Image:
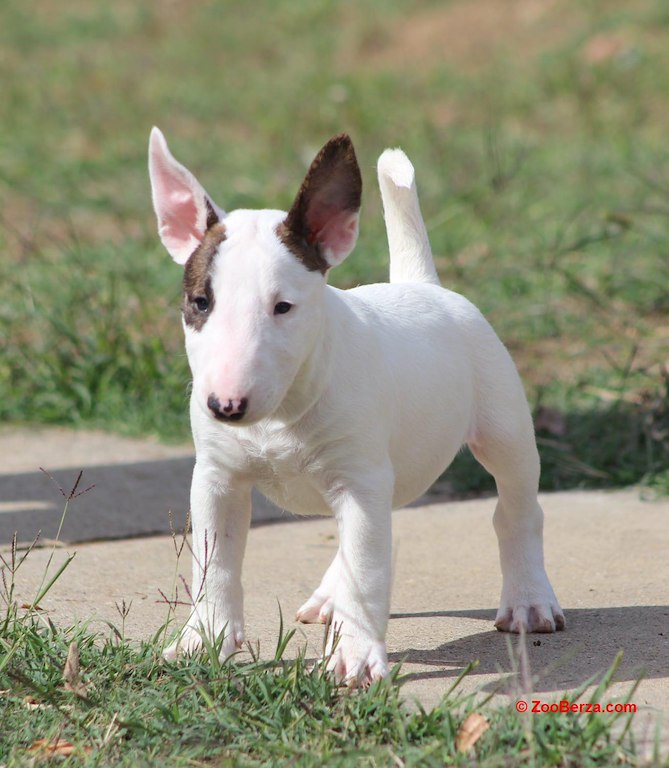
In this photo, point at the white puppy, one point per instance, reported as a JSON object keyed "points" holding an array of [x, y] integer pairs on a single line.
{"points": [[343, 402]]}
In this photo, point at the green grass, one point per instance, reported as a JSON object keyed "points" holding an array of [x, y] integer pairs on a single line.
{"points": [[541, 158], [140, 711], [121, 704]]}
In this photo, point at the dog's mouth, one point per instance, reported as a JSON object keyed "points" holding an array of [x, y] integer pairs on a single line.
{"points": [[231, 417]]}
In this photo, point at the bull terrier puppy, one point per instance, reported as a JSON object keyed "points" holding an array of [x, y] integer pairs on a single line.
{"points": [[349, 403]]}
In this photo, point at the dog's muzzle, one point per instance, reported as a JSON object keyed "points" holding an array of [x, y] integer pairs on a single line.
{"points": [[233, 411]]}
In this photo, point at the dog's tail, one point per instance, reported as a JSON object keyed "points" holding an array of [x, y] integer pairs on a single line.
{"points": [[410, 252]]}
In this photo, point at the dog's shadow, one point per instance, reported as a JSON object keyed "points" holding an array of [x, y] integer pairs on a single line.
{"points": [[559, 661]]}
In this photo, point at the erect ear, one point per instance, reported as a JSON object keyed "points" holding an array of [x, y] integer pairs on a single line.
{"points": [[184, 210], [322, 226]]}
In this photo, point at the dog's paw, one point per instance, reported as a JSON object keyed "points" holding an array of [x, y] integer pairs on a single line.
{"points": [[536, 617], [191, 640], [357, 660], [528, 603], [317, 609]]}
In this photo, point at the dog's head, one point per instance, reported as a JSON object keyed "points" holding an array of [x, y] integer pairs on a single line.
{"points": [[254, 280]]}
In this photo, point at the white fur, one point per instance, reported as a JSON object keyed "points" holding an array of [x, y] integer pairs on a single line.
{"points": [[358, 401]]}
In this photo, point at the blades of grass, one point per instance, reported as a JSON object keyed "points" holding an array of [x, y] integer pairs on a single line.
{"points": [[468, 668], [283, 639], [629, 715], [606, 679], [44, 588]]}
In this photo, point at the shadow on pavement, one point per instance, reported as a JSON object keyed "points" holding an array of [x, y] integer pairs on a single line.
{"points": [[559, 661], [134, 499], [112, 501]]}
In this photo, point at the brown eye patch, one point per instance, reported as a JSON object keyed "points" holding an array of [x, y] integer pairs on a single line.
{"points": [[197, 278]]}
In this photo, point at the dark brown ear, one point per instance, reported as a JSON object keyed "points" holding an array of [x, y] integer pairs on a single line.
{"points": [[322, 226]]}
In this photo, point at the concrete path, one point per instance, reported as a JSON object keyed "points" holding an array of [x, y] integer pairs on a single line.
{"points": [[606, 553]]}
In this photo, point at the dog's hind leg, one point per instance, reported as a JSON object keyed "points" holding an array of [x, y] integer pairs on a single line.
{"points": [[410, 252], [504, 444]]}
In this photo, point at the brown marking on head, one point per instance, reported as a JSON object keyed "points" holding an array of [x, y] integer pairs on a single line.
{"points": [[332, 184], [309, 253], [197, 275], [212, 216]]}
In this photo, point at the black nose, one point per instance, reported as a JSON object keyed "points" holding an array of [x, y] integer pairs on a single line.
{"points": [[233, 411]]}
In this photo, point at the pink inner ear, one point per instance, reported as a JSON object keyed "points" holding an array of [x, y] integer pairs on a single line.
{"points": [[336, 231], [179, 216], [179, 203]]}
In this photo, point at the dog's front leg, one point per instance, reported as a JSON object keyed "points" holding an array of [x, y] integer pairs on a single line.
{"points": [[356, 649], [221, 515]]}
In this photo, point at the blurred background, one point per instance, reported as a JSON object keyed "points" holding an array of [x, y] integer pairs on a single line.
{"points": [[539, 130]]}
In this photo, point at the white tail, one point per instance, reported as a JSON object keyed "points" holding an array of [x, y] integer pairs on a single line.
{"points": [[410, 253]]}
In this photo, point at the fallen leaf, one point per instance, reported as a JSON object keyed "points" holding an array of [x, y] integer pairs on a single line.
{"points": [[56, 747], [32, 703], [72, 673], [470, 732], [31, 607]]}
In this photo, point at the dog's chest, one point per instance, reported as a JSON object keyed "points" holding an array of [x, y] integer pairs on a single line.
{"points": [[286, 471]]}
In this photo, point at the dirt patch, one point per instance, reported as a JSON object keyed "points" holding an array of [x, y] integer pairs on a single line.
{"points": [[468, 34], [566, 359]]}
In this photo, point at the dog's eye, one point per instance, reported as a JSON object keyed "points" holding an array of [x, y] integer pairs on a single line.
{"points": [[282, 307], [201, 303]]}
